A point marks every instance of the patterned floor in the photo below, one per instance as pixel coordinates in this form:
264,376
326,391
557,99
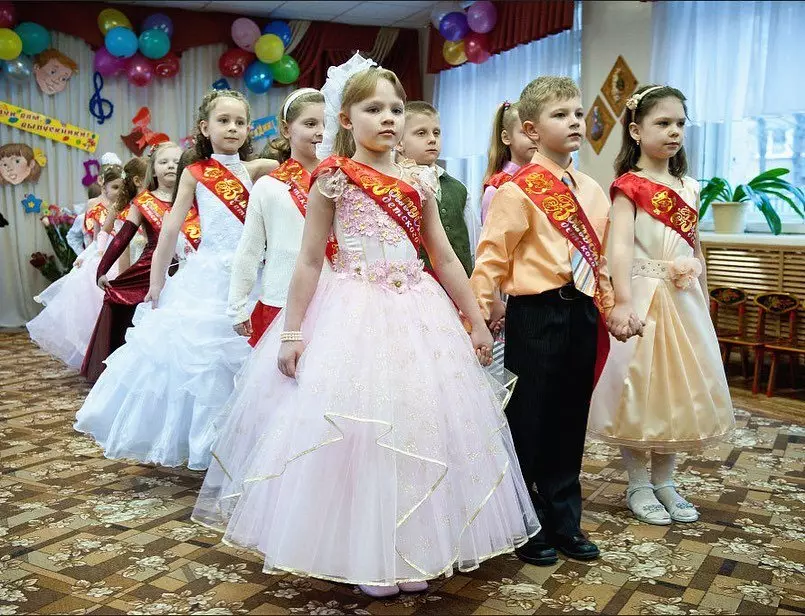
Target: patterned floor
80,534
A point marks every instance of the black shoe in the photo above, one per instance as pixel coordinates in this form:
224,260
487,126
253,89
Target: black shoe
537,552
577,547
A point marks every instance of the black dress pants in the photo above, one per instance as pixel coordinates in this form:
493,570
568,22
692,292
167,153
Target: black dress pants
551,341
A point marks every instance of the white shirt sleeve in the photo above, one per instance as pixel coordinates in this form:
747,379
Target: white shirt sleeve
249,254
472,218
75,236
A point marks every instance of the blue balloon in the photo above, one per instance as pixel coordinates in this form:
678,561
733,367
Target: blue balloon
35,38
258,77
154,44
159,21
121,42
281,29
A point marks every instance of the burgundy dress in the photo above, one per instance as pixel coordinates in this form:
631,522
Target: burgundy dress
123,294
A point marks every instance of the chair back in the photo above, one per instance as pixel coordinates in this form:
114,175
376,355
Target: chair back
728,299
781,307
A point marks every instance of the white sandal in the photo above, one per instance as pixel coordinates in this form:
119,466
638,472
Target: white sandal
650,512
679,509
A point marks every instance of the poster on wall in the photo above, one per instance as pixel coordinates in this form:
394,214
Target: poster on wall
599,124
620,84
49,128
20,163
53,71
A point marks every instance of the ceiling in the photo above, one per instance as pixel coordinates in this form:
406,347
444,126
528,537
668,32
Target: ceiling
397,13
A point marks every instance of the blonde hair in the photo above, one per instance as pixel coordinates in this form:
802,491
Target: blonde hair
150,181
420,107
505,117
203,145
542,91
358,88
279,148
136,167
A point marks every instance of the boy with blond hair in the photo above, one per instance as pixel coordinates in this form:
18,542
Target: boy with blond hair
541,245
422,143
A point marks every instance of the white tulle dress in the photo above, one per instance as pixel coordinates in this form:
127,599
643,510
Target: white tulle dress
72,305
161,389
388,458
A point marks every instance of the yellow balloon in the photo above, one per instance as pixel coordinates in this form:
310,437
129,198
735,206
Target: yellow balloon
269,48
453,52
10,44
112,18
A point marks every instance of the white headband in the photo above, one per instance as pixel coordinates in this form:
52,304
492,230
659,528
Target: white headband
292,97
634,100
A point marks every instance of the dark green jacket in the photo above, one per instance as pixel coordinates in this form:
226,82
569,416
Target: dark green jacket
452,199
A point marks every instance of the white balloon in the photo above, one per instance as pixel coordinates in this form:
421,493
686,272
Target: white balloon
19,69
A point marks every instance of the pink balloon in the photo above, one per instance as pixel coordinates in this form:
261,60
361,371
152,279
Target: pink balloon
245,33
482,16
476,46
107,64
139,70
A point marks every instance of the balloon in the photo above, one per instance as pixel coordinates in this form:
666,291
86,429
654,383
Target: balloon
107,64
167,66
19,69
258,77
233,62
454,26
440,9
286,70
109,19
476,47
482,16
281,29
159,21
121,42
245,33
10,44
35,38
154,44
139,71
453,52
8,16
269,48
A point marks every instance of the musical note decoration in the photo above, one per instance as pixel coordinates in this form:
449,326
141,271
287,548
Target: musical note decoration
92,168
100,108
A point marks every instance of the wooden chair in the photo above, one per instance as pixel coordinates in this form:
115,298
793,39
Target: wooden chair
722,298
780,306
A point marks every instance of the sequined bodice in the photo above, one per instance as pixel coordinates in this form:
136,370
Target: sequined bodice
220,230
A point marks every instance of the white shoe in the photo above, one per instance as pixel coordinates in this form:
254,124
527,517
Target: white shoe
413,586
677,507
379,592
645,506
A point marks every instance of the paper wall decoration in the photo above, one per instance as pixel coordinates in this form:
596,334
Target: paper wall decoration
20,163
620,84
141,134
49,128
264,128
53,71
31,204
599,124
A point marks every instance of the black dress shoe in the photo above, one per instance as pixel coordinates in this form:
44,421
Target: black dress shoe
577,547
537,552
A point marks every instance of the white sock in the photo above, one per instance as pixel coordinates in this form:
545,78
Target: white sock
662,476
640,493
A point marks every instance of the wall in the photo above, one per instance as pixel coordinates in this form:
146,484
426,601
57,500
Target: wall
610,29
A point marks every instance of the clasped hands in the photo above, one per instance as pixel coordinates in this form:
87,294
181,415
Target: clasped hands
623,322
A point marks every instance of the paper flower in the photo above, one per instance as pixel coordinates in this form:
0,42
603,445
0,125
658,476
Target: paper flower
684,270
31,205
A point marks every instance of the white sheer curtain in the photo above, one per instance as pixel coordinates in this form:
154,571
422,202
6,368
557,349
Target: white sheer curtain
172,102
732,59
467,96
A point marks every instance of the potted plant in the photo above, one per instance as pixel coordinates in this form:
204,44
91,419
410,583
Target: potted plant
730,207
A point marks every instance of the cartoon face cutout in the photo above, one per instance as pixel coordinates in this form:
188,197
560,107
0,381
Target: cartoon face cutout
52,76
15,169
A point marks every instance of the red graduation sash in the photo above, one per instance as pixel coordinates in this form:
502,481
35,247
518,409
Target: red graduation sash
660,202
154,210
223,184
96,212
496,179
298,180
394,196
550,195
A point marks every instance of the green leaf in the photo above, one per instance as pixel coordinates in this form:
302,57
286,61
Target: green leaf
770,173
787,199
764,205
740,193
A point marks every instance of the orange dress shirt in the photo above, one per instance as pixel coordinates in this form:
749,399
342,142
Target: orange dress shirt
521,252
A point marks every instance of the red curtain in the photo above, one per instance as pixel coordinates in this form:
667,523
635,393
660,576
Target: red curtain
324,44
518,23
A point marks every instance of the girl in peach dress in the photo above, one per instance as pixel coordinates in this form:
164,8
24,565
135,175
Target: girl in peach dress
665,390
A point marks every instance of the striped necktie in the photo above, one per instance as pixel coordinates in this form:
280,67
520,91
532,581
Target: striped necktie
583,276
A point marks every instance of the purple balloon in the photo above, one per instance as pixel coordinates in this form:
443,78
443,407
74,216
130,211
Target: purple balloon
158,21
482,16
107,64
139,70
454,26
245,33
